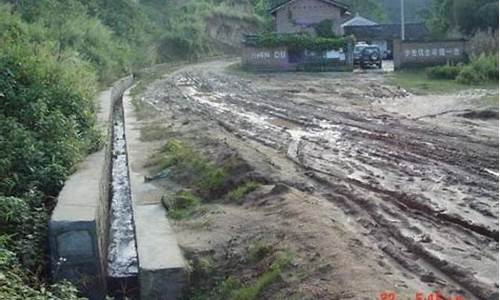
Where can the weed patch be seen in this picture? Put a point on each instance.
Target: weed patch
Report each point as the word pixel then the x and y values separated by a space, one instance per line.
pixel 233 289
pixel 482 71
pixel 483 68
pixel 490 100
pixel 444 72
pixel 237 194
pixel 191 168
pixel 417 82
pixel 181 205
pixel 258 251
pixel 154 131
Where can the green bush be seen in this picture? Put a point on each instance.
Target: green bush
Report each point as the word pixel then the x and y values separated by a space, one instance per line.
pixel 181 204
pixel 233 289
pixel 191 168
pixel 443 72
pixel 481 69
pixel 76 36
pixel 16 285
pixel 241 191
pixel 324 29
pixel 47 123
pixel 46 119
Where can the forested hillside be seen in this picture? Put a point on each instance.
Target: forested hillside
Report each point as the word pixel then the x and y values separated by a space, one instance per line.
pixel 463 16
pixel 413 9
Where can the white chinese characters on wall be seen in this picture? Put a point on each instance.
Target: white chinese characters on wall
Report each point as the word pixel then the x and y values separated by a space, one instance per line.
pixel 269 55
pixel 432 52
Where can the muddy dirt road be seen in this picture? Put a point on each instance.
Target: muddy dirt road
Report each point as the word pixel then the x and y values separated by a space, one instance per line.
pixel 412 179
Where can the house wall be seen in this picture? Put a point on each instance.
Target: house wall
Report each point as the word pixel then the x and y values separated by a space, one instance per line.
pixel 281 59
pixel 427 53
pixel 301 15
pixel 267 59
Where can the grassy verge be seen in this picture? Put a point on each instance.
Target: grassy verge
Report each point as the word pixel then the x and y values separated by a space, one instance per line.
pixel 270 268
pixel 205 179
pixel 155 130
pixel 191 168
pixel 417 82
pixel 233 289
pixel 237 194
pixel 491 100
pixel 181 205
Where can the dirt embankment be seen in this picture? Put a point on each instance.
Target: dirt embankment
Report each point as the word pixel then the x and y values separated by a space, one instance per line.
pixel 228 30
pixel 368 197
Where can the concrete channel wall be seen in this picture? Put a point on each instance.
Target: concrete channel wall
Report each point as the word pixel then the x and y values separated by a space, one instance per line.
pixel 163 272
pixel 409 54
pixel 78 228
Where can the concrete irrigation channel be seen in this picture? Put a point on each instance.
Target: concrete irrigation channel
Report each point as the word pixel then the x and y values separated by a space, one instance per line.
pixel 102 236
pixel 122 249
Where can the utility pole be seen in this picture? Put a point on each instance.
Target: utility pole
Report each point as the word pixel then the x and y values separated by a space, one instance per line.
pixel 402 20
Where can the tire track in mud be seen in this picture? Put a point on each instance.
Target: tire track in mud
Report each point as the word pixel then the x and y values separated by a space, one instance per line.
pixel 414 184
pixel 382 228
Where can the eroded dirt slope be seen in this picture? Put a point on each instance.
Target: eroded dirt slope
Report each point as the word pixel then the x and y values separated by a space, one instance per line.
pixel 412 184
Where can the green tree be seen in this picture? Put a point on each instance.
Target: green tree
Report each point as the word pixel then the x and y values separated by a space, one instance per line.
pixel 466 16
pixel 368 8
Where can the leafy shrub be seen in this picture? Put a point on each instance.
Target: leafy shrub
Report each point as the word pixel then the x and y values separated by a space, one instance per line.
pixel 47 123
pixel 481 69
pixel 24 222
pixel 14 284
pixel 13 212
pixel 324 29
pixel 76 36
pixel 443 72
pixel 46 120
pixel 241 191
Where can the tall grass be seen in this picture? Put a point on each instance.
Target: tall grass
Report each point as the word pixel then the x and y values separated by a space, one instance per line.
pixel 482 68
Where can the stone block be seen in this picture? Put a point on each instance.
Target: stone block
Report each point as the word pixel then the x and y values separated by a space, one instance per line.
pixel 162 268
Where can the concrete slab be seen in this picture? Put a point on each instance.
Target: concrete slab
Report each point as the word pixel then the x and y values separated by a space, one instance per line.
pixel 162 268
pixel 79 197
pixel 158 245
pixel 163 272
